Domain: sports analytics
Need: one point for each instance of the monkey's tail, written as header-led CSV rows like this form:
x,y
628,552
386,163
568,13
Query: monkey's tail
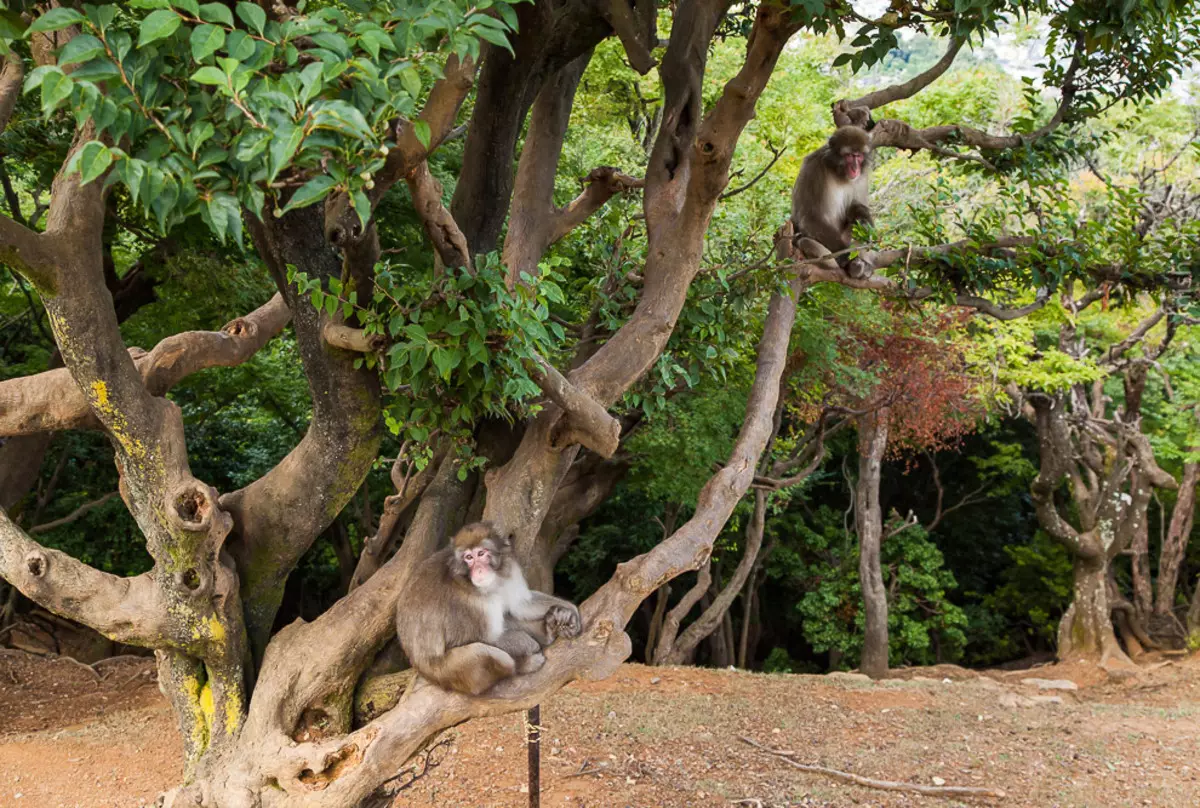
x,y
472,668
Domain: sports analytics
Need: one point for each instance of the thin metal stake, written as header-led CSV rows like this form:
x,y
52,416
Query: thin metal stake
x,y
533,743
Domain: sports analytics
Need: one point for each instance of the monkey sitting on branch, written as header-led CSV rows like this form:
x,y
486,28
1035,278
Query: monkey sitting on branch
x,y
470,620
830,195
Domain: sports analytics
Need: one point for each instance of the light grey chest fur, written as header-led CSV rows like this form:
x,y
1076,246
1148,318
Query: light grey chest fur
x,y
510,597
839,196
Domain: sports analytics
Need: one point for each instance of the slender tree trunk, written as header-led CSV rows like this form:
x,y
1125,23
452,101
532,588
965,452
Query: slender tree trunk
x,y
1174,547
1193,617
656,620
1143,587
730,645
715,615
749,617
868,518
670,626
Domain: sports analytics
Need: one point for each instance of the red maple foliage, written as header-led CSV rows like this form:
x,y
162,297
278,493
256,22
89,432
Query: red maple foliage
x,y
914,364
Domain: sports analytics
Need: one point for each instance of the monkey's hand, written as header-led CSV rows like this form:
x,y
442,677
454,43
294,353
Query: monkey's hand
x,y
859,269
563,621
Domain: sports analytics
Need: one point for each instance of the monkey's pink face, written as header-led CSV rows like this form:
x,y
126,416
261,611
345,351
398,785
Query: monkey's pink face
x,y
853,163
479,561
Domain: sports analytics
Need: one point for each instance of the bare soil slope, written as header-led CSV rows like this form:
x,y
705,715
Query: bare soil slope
x,y
669,737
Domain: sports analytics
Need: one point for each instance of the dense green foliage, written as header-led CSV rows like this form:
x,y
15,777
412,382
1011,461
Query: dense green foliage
x,y
205,129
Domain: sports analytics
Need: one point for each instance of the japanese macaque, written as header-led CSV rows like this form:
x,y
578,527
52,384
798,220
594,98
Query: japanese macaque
x,y
830,195
469,619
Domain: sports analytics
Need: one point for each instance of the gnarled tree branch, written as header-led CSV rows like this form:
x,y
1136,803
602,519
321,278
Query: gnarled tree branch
x,y
53,401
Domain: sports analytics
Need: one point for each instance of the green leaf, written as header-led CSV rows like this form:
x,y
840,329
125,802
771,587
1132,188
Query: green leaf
x,y
287,138
313,190
508,15
362,206
422,131
56,88
199,134
190,6
239,45
340,116
445,361
310,81
215,12
149,4
159,25
250,145
252,15
493,36
209,75
81,48
205,41
225,214
96,70
94,160
55,19
410,79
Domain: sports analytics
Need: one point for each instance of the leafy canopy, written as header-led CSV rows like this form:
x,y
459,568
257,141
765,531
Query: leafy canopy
x,y
222,109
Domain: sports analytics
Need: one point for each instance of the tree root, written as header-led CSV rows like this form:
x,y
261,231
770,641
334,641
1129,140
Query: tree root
x,y
867,782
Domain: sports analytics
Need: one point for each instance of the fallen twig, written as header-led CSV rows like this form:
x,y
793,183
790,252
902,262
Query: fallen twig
x,y
883,785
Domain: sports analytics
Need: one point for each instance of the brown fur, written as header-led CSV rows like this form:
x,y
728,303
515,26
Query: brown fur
x,y
443,625
826,203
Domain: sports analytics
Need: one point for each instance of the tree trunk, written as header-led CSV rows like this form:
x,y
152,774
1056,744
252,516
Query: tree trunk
x,y
1193,618
1143,586
1175,546
1086,630
868,519
656,620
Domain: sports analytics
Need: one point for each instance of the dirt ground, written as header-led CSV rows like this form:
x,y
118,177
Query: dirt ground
x,y
103,737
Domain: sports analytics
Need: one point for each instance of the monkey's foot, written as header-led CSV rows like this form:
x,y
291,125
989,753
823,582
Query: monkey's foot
x,y
563,622
531,663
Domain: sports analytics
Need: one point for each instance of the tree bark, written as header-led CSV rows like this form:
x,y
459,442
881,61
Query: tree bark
x,y
718,611
868,519
1174,547
1086,630
1193,618
1143,585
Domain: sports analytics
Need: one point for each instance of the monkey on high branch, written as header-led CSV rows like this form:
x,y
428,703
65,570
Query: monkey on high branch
x,y
468,619
830,195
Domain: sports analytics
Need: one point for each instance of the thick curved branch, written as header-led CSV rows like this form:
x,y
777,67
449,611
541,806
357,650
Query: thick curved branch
x,y
1054,444
688,171
439,113
899,92
443,231
53,401
635,29
28,253
585,421
280,515
128,610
